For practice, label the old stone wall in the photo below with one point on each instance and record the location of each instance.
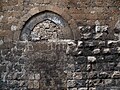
(59, 44)
(95, 63)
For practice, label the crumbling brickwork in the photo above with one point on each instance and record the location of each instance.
(59, 44)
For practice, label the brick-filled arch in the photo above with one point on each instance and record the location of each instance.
(32, 22)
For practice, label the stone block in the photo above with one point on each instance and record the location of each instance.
(101, 43)
(69, 75)
(89, 67)
(103, 75)
(116, 74)
(80, 44)
(106, 50)
(70, 67)
(99, 58)
(71, 83)
(36, 84)
(91, 59)
(37, 76)
(102, 66)
(77, 75)
(111, 43)
(80, 83)
(30, 84)
(96, 51)
(31, 77)
(109, 82)
(111, 58)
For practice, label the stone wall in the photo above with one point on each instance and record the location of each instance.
(59, 44)
(14, 13)
(95, 62)
(33, 66)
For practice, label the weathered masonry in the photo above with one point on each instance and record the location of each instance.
(59, 45)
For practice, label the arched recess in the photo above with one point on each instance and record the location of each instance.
(42, 17)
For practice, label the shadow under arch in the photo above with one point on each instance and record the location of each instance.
(42, 16)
